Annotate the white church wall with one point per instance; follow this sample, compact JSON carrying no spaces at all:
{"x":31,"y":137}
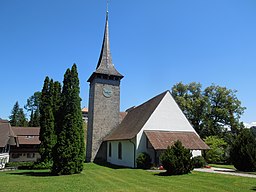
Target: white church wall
{"x":196,"y":153}
{"x":168,"y":117}
{"x":142,"y":146}
{"x":163,"y":120}
{"x":127,"y":159}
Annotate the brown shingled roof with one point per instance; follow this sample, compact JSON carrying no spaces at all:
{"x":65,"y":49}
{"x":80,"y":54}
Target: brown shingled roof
{"x":3,"y":121}
{"x":122,"y":116}
{"x":29,"y":140}
{"x":162,"y":139}
{"x":135,"y":120}
{"x":7,"y":135}
{"x":26,"y":131}
{"x":27,"y":135}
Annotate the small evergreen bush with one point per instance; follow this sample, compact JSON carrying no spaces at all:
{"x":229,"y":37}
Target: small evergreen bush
{"x":199,"y":162}
{"x":243,"y":151}
{"x":20,"y":165}
{"x":42,"y":165}
{"x":143,"y":161}
{"x":177,"y":160}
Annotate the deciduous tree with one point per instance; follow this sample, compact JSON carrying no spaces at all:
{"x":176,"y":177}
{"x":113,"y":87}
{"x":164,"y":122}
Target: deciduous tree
{"x":211,"y":111}
{"x":216,"y":153}
{"x":32,"y":106}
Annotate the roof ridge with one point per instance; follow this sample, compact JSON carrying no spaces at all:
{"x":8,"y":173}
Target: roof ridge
{"x":135,"y":119}
{"x":150,"y":100}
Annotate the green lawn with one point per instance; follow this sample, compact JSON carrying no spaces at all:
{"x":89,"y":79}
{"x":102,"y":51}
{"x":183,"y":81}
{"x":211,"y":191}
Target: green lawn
{"x":99,"y":178}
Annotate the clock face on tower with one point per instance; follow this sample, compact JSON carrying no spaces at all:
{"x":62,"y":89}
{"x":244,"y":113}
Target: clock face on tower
{"x":107,"y":91}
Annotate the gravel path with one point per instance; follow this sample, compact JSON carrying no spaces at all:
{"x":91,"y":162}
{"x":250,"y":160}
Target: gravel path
{"x":224,"y":171}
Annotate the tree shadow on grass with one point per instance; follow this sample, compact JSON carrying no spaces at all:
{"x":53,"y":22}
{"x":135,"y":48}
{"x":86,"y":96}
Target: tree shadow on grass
{"x":33,"y":173}
{"x":253,"y":188}
{"x":165,"y":174}
{"x":109,"y":165}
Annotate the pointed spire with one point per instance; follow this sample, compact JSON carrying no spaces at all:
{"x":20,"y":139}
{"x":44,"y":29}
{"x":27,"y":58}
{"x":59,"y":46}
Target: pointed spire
{"x":105,"y":55}
{"x":105,"y":65}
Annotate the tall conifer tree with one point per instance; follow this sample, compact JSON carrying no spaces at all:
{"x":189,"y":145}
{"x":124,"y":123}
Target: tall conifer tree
{"x":47,"y":132}
{"x":14,"y":114}
{"x":18,"y":117}
{"x":69,"y":150}
{"x":22,"y":121}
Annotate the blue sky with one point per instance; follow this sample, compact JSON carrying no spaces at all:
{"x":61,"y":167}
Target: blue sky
{"x":154,"y":44}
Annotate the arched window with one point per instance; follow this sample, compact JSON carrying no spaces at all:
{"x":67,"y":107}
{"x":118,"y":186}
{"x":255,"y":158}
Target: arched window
{"x":109,"y":149}
{"x":119,"y":150}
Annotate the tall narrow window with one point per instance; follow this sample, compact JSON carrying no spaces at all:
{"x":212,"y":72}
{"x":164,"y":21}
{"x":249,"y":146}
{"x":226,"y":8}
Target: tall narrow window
{"x":109,"y":149}
{"x":119,"y":150}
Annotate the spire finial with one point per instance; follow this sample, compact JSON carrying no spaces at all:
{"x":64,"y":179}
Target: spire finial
{"x":107,"y":5}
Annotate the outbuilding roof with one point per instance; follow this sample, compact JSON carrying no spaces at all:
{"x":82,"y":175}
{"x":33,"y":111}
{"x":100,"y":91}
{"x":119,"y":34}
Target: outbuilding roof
{"x":27,"y":135}
{"x":7,"y":135}
{"x":26,"y":131}
{"x":162,"y":139}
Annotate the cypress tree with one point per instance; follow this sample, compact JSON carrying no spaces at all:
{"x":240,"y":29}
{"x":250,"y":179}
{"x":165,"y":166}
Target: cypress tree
{"x":56,"y":104}
{"x":31,"y":122}
{"x":69,"y":149}
{"x":36,"y":119}
{"x":47,"y":132}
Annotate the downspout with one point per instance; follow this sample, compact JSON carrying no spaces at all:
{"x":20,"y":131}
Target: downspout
{"x":134,"y":152}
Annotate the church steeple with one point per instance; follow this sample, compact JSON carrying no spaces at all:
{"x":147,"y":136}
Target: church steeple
{"x":105,"y":66}
{"x":104,"y":102}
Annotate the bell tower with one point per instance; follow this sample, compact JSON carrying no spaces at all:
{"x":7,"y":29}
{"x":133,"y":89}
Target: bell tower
{"x":104,"y":102}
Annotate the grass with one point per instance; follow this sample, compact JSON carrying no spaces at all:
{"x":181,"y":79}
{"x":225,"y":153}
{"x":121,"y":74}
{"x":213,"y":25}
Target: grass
{"x":99,"y":178}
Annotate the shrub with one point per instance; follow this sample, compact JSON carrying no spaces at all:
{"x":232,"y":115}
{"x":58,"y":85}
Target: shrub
{"x":20,"y":165}
{"x":217,"y":152}
{"x":42,"y":165}
{"x":199,"y":162}
{"x":177,"y":160}
{"x":243,"y":151}
{"x":143,"y":161}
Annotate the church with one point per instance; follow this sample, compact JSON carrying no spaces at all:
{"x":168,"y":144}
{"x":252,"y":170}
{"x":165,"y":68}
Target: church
{"x":118,"y":138}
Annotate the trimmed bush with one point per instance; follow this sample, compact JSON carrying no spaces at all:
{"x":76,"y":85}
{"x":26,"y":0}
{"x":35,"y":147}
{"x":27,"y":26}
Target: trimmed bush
{"x":20,"y":165}
{"x":42,"y":165}
{"x":243,"y":151}
{"x":177,"y":160}
{"x":199,"y":162}
{"x":143,"y":161}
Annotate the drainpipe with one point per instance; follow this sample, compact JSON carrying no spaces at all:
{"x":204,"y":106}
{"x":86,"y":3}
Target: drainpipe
{"x":134,"y":152}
